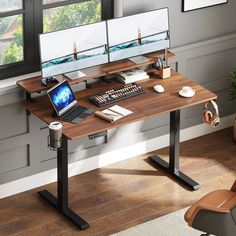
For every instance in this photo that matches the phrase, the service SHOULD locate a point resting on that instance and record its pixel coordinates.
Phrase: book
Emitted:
(113, 113)
(131, 76)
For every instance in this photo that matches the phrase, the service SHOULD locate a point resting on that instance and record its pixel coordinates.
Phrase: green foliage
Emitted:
(232, 91)
(18, 34)
(15, 51)
(46, 24)
(73, 15)
(13, 54)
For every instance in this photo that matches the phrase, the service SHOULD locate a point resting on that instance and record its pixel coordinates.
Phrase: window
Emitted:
(62, 17)
(22, 20)
(11, 41)
(15, 37)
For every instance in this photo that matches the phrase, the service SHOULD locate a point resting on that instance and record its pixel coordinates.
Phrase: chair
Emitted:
(215, 213)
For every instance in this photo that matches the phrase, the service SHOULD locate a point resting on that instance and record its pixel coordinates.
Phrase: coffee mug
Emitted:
(55, 135)
(188, 90)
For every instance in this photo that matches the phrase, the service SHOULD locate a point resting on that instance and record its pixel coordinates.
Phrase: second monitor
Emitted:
(139, 34)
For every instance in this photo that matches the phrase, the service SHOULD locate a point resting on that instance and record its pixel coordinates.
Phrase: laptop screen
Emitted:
(62, 97)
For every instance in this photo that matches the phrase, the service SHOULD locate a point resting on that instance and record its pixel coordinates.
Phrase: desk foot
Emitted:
(67, 212)
(180, 176)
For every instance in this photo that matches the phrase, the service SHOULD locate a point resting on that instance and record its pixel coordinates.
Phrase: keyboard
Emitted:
(78, 112)
(116, 94)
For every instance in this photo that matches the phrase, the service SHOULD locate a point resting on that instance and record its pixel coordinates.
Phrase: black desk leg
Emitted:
(173, 166)
(61, 203)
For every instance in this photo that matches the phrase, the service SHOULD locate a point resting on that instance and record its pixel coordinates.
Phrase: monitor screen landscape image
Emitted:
(138, 34)
(73, 49)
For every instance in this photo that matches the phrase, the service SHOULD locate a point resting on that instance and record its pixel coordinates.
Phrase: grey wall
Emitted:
(191, 26)
(23, 149)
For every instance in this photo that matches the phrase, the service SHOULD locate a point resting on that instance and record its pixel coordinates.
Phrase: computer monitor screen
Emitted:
(73, 49)
(138, 34)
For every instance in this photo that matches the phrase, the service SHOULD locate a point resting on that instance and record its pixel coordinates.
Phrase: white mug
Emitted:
(187, 90)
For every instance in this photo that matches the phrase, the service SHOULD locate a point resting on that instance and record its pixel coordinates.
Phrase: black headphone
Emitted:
(209, 118)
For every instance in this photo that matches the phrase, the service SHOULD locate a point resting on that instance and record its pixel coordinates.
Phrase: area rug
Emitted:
(172, 224)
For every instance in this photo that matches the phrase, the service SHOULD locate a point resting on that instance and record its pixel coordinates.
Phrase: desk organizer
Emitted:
(165, 72)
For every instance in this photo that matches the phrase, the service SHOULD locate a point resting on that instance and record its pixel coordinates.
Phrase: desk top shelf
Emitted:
(34, 85)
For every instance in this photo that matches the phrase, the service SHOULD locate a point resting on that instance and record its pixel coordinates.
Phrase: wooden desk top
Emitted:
(34, 85)
(144, 106)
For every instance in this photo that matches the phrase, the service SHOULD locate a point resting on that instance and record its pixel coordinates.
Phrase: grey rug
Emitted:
(172, 224)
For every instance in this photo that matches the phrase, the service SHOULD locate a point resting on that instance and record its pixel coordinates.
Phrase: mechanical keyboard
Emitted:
(116, 94)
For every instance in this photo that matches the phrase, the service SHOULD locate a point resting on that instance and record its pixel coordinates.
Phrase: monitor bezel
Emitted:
(110, 61)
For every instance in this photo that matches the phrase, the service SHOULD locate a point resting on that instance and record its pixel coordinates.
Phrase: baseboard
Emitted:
(105, 159)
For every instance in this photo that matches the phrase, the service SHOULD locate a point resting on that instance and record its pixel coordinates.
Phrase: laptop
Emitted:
(66, 105)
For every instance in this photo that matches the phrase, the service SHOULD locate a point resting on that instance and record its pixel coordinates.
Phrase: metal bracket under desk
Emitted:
(61, 202)
(173, 166)
(29, 98)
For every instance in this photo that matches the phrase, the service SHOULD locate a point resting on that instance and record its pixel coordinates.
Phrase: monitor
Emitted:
(62, 97)
(73, 49)
(139, 34)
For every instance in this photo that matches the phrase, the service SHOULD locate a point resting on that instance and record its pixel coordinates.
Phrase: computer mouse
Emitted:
(159, 88)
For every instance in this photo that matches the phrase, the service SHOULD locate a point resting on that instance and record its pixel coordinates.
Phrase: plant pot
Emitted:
(234, 127)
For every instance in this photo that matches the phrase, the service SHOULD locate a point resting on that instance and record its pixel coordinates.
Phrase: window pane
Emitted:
(68, 16)
(52, 1)
(11, 39)
(10, 5)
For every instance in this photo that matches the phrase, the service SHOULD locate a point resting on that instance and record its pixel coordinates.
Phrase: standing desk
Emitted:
(144, 106)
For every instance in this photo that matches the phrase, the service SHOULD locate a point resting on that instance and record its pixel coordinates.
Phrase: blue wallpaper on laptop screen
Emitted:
(62, 97)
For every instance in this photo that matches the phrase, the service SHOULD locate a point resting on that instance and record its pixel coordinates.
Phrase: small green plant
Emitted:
(232, 91)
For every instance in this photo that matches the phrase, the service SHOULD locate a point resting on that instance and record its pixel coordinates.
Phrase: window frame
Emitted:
(26, 65)
(33, 15)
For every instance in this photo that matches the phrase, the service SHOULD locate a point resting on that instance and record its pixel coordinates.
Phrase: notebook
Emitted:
(113, 113)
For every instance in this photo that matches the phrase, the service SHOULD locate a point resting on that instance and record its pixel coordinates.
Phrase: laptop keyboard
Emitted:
(79, 112)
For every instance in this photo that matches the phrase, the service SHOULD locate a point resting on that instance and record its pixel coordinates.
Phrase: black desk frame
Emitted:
(173, 166)
(61, 202)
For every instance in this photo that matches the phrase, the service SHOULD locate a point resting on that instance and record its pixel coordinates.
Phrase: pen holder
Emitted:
(165, 72)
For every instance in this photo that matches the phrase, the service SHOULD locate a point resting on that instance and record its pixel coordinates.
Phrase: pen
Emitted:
(166, 58)
(160, 62)
(111, 114)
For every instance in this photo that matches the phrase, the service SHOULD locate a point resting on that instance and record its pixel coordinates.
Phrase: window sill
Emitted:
(8, 85)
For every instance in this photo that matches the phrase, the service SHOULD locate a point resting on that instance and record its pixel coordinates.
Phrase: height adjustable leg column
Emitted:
(61, 202)
(173, 166)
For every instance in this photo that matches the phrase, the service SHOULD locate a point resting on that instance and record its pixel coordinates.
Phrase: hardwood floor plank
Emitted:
(125, 194)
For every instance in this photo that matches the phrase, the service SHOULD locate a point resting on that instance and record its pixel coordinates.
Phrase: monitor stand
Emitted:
(75, 75)
(139, 59)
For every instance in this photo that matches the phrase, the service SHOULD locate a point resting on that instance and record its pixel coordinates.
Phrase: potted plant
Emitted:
(232, 93)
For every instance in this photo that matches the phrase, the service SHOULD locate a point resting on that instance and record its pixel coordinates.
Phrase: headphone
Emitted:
(211, 119)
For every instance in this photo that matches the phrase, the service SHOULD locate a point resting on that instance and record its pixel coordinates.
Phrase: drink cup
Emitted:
(55, 135)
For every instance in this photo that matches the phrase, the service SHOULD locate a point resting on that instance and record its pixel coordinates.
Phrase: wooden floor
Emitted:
(125, 194)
